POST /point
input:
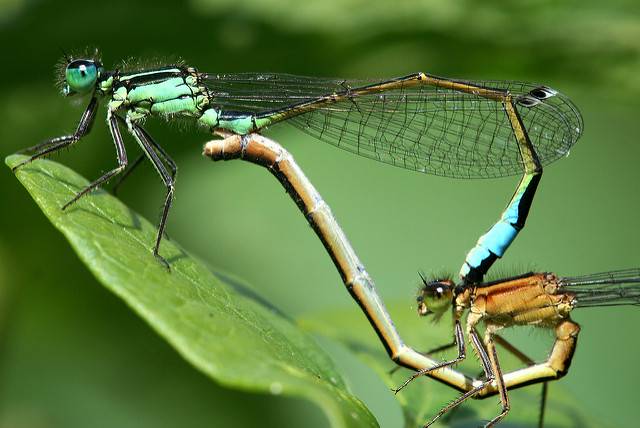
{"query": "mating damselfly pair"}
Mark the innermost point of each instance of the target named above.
(420, 122)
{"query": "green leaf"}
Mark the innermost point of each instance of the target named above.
(423, 398)
(216, 322)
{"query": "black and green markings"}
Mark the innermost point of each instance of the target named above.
(418, 122)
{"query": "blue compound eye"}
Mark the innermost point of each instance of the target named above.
(81, 76)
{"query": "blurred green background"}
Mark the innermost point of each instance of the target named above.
(72, 355)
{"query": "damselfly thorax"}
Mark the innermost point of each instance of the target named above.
(532, 299)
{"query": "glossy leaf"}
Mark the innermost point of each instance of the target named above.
(216, 322)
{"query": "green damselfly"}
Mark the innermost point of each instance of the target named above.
(420, 122)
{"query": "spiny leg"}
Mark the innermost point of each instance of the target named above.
(55, 144)
(132, 166)
(502, 390)
(430, 352)
(127, 172)
(543, 404)
(162, 153)
(528, 361)
(554, 367)
(458, 341)
(488, 372)
(148, 146)
(493, 244)
(122, 160)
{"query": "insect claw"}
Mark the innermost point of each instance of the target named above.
(163, 261)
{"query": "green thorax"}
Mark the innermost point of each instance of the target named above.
(165, 92)
(174, 91)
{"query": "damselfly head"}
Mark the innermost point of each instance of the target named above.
(79, 74)
(435, 297)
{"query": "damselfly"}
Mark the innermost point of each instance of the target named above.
(536, 299)
(420, 122)
(543, 300)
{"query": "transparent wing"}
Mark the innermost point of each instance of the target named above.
(425, 128)
(621, 287)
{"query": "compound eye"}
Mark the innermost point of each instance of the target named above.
(435, 297)
(81, 76)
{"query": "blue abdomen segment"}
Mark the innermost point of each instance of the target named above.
(493, 244)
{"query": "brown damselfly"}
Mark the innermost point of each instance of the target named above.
(542, 299)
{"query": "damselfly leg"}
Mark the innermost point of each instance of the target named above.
(112, 121)
(499, 340)
(507, 346)
(170, 163)
(54, 144)
(158, 158)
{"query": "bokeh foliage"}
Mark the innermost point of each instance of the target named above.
(71, 353)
